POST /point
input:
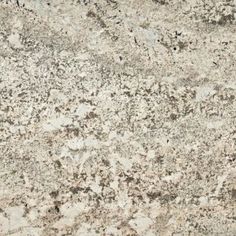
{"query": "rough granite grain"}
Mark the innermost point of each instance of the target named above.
(117, 117)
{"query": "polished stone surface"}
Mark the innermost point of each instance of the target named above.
(117, 117)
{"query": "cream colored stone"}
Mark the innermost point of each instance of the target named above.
(117, 117)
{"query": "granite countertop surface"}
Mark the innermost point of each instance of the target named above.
(117, 117)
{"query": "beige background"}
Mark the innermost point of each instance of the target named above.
(117, 117)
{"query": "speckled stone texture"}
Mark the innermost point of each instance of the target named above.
(117, 117)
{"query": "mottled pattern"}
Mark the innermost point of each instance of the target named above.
(117, 117)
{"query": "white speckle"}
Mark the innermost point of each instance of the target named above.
(69, 212)
(124, 201)
(14, 40)
(57, 123)
(16, 218)
(83, 110)
(221, 180)
(33, 214)
(174, 178)
(72, 210)
(140, 223)
(214, 124)
(96, 188)
(204, 92)
(115, 184)
(4, 225)
(91, 142)
(203, 201)
(151, 154)
(79, 143)
(125, 162)
(57, 96)
(17, 129)
(75, 144)
(149, 233)
(111, 230)
(112, 135)
(86, 230)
